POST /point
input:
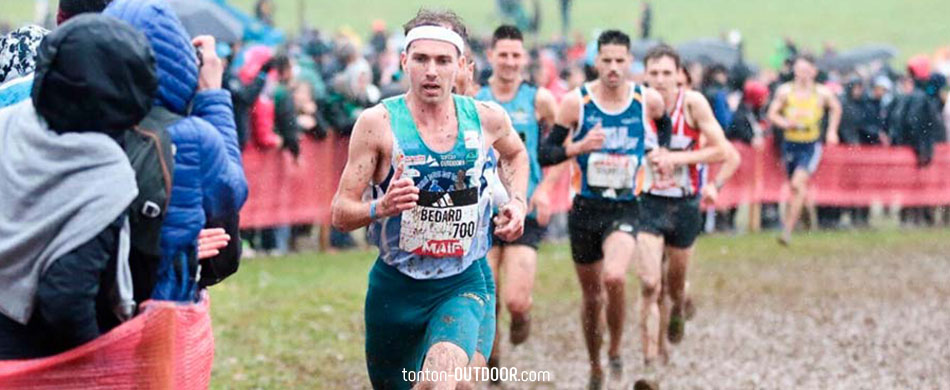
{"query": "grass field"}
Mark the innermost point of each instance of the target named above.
(296, 322)
(913, 26)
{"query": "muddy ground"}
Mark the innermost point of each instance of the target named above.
(880, 320)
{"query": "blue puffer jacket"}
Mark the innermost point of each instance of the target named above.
(208, 180)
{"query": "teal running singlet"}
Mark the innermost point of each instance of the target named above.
(448, 230)
(521, 110)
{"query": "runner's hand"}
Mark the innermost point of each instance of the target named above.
(658, 161)
(509, 224)
(401, 195)
(594, 140)
(212, 68)
(210, 241)
(661, 159)
(541, 206)
(710, 194)
(831, 138)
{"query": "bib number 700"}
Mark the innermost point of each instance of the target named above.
(464, 229)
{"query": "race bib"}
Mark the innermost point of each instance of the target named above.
(443, 224)
(614, 172)
(679, 182)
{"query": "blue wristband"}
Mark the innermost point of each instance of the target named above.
(372, 210)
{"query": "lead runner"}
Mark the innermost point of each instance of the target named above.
(415, 176)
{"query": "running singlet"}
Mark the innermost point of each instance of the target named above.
(523, 118)
(448, 230)
(687, 180)
(612, 173)
(807, 113)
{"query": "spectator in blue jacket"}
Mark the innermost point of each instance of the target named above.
(208, 178)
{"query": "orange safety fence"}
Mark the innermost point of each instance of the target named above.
(287, 192)
(168, 346)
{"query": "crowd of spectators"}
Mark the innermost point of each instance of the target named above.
(316, 83)
(321, 80)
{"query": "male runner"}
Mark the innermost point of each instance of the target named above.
(608, 118)
(530, 109)
(414, 175)
(669, 217)
(798, 109)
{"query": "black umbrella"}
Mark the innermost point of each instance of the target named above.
(640, 48)
(858, 56)
(202, 17)
(709, 51)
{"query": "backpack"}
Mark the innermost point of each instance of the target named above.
(149, 149)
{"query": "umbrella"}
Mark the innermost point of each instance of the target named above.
(206, 18)
(641, 47)
(709, 51)
(861, 55)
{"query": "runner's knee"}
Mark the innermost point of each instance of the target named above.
(518, 305)
(614, 281)
(593, 299)
(649, 288)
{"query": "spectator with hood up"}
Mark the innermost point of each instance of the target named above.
(67, 185)
(208, 178)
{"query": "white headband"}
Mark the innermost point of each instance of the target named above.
(437, 33)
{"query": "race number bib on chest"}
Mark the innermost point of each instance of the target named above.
(611, 171)
(443, 224)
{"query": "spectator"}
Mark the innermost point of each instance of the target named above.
(746, 127)
(857, 120)
(308, 114)
(378, 39)
(853, 129)
(352, 93)
(514, 12)
(243, 96)
(264, 11)
(59, 245)
(879, 103)
(209, 178)
(716, 90)
(646, 19)
(285, 114)
(565, 17)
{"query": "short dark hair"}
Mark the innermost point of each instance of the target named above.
(613, 37)
(442, 18)
(506, 31)
(660, 51)
(807, 57)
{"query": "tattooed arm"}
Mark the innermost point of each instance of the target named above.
(513, 169)
(368, 162)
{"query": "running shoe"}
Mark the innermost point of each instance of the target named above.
(493, 362)
(615, 363)
(596, 381)
(644, 384)
(677, 328)
(785, 239)
(520, 330)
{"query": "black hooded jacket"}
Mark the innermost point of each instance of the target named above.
(93, 74)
